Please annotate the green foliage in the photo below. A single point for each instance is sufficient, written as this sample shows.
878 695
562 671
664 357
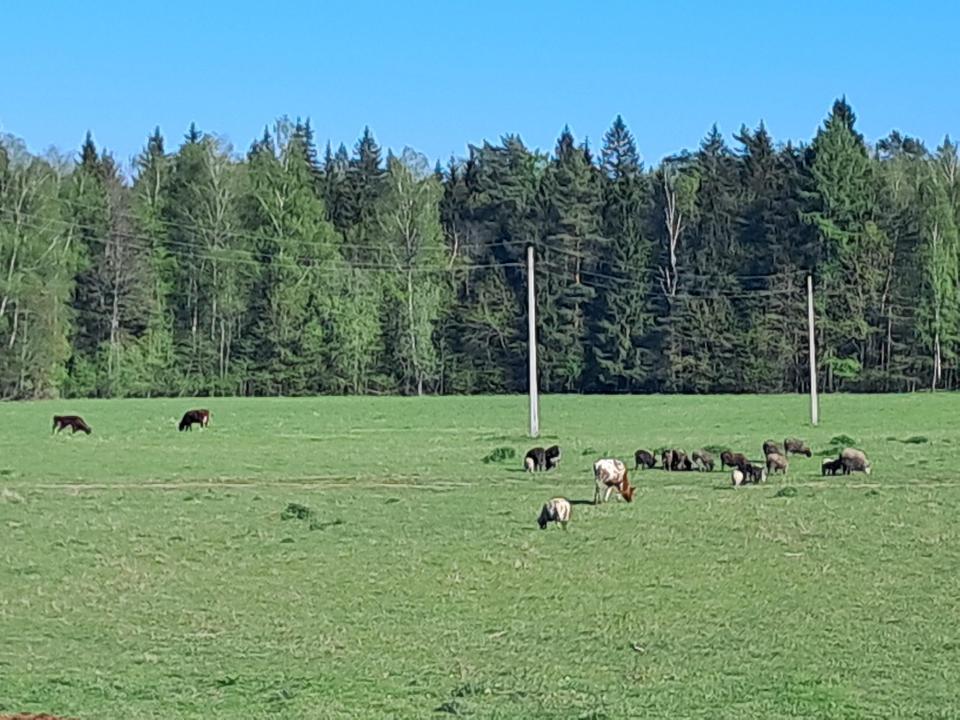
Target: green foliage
296 511
500 454
281 273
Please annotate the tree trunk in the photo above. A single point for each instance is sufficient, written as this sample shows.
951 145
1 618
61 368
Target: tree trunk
936 361
413 333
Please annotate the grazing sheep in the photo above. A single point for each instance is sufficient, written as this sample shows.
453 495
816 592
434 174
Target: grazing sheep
731 459
854 460
556 510
703 460
754 474
666 459
609 475
770 447
644 459
535 459
737 477
831 466
796 446
681 461
776 461
74 422
191 417
552 454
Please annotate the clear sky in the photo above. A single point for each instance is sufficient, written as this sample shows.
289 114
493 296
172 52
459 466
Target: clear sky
439 75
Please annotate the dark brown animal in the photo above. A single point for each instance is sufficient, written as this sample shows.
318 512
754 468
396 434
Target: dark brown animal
753 474
731 459
680 461
75 422
666 460
703 460
796 446
831 466
644 459
191 417
535 459
552 454
770 447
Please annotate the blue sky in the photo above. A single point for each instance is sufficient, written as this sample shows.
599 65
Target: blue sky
439 75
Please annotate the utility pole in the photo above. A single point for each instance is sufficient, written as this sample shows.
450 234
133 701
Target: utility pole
532 342
814 400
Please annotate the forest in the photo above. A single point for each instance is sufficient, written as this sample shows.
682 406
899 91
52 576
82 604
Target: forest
287 270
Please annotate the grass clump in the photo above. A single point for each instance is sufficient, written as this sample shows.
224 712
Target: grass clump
787 491
500 454
296 511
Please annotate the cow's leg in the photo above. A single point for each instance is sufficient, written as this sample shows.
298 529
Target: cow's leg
596 494
609 492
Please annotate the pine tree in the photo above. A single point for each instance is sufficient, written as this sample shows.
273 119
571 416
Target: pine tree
855 250
291 308
622 342
570 203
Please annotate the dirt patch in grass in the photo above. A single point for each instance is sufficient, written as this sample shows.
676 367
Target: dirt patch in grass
31 716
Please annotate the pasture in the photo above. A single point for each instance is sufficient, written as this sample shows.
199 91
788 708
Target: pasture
357 558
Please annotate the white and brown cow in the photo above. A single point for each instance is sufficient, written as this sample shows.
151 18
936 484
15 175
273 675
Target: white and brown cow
611 474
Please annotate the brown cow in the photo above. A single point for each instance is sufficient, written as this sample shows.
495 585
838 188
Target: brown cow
75 422
200 417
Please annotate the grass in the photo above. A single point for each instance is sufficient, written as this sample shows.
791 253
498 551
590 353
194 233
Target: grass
146 573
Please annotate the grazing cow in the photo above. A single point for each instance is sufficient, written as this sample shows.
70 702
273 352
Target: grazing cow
737 477
191 417
796 446
644 459
535 459
610 475
666 460
831 466
556 510
552 455
775 462
731 459
854 460
703 460
74 422
770 447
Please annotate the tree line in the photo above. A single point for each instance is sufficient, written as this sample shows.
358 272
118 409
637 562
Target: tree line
285 271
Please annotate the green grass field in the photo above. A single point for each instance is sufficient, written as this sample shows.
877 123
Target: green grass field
146 573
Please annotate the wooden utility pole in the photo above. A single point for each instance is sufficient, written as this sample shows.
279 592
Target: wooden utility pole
532 343
814 399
